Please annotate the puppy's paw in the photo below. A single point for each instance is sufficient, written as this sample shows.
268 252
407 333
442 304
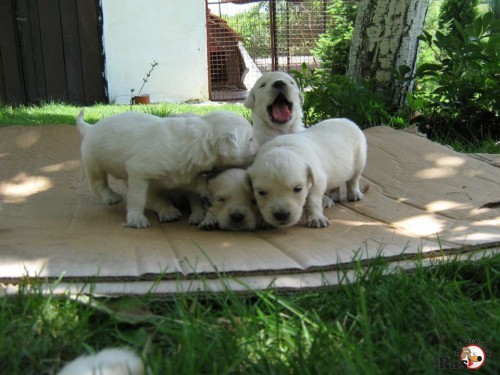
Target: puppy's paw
169 214
327 201
317 221
262 224
137 220
111 198
207 200
209 223
335 196
354 195
196 217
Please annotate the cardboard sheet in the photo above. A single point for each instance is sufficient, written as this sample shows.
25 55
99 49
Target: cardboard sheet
422 197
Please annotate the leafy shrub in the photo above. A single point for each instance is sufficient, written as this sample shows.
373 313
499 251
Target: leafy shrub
458 93
332 95
494 7
332 47
461 11
465 77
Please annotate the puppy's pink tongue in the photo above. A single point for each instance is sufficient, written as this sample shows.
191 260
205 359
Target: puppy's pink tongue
281 112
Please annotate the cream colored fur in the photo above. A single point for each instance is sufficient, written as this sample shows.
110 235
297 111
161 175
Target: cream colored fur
261 98
106 362
152 154
294 170
233 205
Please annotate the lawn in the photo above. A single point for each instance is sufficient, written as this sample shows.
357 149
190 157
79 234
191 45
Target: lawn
385 323
404 322
62 114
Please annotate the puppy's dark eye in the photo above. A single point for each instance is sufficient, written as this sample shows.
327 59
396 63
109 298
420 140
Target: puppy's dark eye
297 189
262 192
220 199
264 84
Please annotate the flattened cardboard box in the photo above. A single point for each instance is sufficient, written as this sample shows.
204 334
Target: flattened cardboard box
422 197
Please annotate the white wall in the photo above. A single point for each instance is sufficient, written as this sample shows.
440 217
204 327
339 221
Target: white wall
171 32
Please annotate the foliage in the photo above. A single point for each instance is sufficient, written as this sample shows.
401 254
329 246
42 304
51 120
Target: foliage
332 95
387 321
494 7
461 11
425 54
332 47
465 76
458 88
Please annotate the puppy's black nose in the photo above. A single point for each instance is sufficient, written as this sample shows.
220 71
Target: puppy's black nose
279 85
281 215
237 217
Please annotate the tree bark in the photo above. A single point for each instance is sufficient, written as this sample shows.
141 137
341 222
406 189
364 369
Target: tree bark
385 37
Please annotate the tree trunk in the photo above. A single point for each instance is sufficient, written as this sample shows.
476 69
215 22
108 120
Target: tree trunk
385 37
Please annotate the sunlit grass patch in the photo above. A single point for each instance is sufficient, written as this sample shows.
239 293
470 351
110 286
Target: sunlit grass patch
65 114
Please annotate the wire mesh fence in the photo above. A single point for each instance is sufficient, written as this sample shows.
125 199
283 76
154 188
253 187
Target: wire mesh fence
247 38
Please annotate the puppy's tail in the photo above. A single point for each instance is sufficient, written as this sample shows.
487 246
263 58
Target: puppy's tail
81 124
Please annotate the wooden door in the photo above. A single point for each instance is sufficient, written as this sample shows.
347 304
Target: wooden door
51 50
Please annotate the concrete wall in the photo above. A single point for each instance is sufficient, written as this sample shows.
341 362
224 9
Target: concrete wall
171 32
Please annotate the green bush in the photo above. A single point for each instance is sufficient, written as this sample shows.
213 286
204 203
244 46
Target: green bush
332 95
494 7
461 11
332 47
465 77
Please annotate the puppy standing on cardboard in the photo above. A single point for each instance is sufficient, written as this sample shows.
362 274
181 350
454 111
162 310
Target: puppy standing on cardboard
296 169
152 153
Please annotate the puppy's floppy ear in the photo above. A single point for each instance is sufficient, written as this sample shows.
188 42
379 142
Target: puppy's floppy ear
310 177
301 97
250 100
248 182
227 145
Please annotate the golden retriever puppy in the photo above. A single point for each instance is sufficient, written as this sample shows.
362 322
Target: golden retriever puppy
106 362
233 205
152 154
294 170
276 104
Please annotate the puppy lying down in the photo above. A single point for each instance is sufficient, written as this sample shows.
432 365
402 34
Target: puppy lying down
233 205
152 154
294 170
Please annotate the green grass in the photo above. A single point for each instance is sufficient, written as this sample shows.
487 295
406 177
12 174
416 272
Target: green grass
65 114
382 324
488 146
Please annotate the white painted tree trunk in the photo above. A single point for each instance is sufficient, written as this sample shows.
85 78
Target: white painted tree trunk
385 37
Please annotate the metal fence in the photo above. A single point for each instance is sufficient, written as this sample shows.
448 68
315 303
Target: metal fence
247 38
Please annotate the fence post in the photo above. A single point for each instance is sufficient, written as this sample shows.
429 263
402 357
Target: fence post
274 36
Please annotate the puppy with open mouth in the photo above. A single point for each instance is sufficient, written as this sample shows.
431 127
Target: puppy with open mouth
276 104
297 170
